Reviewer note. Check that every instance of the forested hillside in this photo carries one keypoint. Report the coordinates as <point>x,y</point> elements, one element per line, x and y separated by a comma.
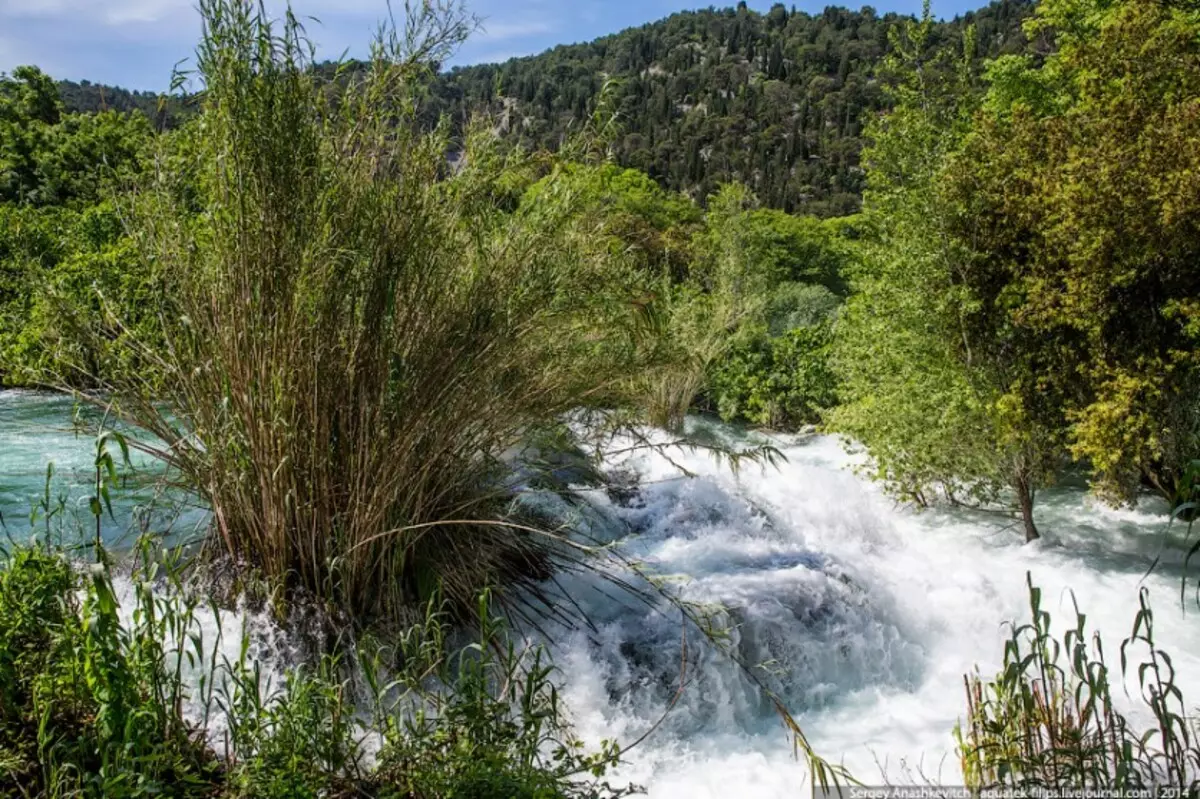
<point>90,98</point>
<point>777,101</point>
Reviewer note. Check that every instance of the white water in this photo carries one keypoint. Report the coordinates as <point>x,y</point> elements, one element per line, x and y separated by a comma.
<point>872,612</point>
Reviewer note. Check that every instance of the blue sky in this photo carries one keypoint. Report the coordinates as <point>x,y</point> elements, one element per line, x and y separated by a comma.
<point>135,43</point>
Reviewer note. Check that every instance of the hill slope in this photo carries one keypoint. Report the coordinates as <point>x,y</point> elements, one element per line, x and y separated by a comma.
<point>89,98</point>
<point>776,100</point>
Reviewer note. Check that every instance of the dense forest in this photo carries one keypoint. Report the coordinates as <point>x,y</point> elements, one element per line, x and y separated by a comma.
<point>357,324</point>
<point>163,111</point>
<point>775,101</point>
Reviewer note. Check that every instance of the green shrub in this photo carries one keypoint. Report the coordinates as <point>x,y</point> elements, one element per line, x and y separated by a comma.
<point>358,335</point>
<point>90,707</point>
<point>792,305</point>
<point>61,269</point>
<point>493,728</point>
<point>777,381</point>
<point>49,158</point>
<point>296,741</point>
<point>33,587</point>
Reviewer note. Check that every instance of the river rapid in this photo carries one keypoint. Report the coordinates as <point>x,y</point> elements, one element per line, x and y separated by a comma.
<point>864,614</point>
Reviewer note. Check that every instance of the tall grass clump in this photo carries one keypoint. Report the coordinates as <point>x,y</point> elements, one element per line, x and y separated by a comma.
<point>1048,720</point>
<point>358,337</point>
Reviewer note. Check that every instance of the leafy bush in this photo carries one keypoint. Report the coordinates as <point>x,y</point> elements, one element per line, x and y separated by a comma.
<point>359,335</point>
<point>793,304</point>
<point>89,705</point>
<point>778,381</point>
<point>31,590</point>
<point>48,158</point>
<point>494,727</point>
<point>776,277</point>
<point>60,269</point>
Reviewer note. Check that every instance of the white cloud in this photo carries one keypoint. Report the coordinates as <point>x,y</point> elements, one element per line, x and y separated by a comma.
<point>143,38</point>
<point>31,8</point>
<point>132,12</point>
<point>109,12</point>
<point>148,11</point>
<point>501,31</point>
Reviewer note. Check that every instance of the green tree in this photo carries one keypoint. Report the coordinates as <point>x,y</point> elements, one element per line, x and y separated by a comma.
<point>633,216</point>
<point>60,269</point>
<point>779,381</point>
<point>63,253</point>
<point>1077,190</point>
<point>930,384</point>
<point>48,157</point>
<point>787,274</point>
<point>29,106</point>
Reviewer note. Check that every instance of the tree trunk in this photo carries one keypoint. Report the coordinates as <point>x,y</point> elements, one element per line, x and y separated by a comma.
<point>1025,497</point>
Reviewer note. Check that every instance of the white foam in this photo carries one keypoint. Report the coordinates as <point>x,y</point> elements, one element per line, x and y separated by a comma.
<point>875,611</point>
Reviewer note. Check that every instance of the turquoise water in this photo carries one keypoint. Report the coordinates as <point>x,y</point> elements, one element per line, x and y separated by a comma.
<point>37,434</point>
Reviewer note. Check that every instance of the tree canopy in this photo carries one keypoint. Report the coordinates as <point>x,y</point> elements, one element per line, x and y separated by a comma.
<point>1030,299</point>
<point>1078,191</point>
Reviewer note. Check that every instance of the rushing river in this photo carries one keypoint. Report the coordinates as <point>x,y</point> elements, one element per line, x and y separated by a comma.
<point>868,614</point>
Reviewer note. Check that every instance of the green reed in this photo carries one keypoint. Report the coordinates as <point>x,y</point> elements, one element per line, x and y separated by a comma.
<point>1048,719</point>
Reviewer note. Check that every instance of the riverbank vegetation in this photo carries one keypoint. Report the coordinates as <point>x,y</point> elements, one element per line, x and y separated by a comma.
<point>122,686</point>
<point>986,348</point>
<point>1049,717</point>
<point>1028,304</point>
